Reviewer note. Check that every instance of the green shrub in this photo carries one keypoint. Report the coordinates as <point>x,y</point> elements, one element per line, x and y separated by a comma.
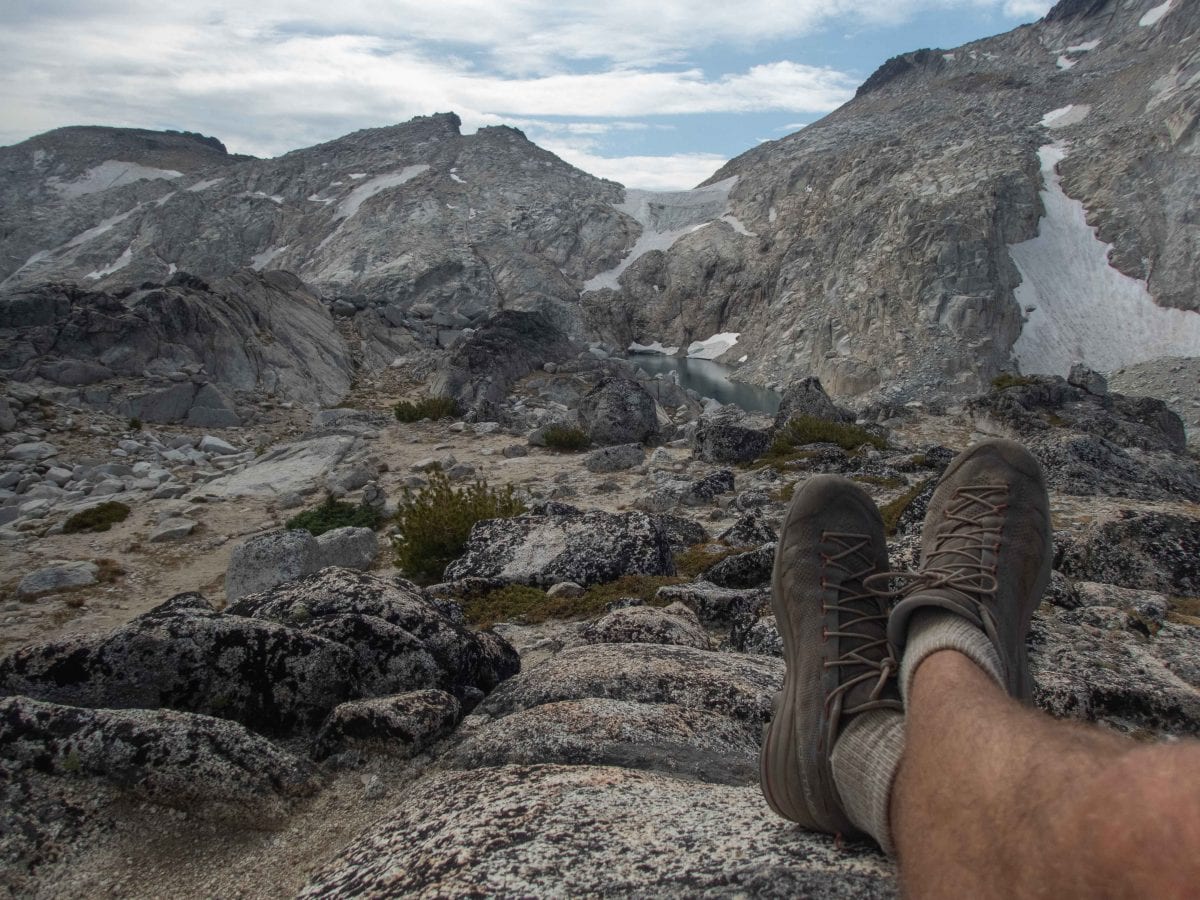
<point>335,514</point>
<point>135,424</point>
<point>429,408</point>
<point>529,605</point>
<point>97,518</point>
<point>1006,380</point>
<point>436,521</point>
<point>565,438</point>
<point>805,430</point>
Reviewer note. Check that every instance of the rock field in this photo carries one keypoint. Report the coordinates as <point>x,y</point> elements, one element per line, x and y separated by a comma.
<point>254,711</point>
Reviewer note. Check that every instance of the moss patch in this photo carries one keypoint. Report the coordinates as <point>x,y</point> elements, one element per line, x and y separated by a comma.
<point>529,605</point>
<point>804,430</point>
<point>335,514</point>
<point>565,438</point>
<point>97,518</point>
<point>1184,611</point>
<point>429,408</point>
<point>891,512</point>
<point>881,481</point>
<point>695,559</point>
<point>1005,380</point>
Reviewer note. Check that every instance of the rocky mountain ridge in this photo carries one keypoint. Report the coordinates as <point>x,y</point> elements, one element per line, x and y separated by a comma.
<point>901,249</point>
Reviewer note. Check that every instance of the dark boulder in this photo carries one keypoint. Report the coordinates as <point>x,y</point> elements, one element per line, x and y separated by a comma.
<point>619,411</point>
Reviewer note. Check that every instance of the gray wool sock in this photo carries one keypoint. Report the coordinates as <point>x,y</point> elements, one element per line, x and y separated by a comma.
<point>932,630</point>
<point>865,760</point>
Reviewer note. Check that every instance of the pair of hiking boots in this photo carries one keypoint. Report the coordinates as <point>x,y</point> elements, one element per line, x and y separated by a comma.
<point>985,556</point>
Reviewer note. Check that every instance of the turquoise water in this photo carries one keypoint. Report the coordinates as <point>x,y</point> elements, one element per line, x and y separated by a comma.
<point>710,379</point>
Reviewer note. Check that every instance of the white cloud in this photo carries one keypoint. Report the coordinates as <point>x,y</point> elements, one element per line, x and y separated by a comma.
<point>676,172</point>
<point>274,75</point>
<point>1032,9</point>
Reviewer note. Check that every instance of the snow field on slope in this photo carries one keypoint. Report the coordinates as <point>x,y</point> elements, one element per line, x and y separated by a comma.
<point>1153,16</point>
<point>1084,310</point>
<point>109,174</point>
<point>368,189</point>
<point>665,216</point>
<point>713,346</point>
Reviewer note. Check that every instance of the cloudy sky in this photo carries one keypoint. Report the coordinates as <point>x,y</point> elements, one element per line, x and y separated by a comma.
<point>654,94</point>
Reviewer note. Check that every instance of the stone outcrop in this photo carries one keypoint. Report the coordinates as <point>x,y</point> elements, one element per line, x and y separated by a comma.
<point>517,831</point>
<point>676,624</point>
<point>729,435</point>
<point>278,662</point>
<point>480,368</point>
<point>1094,443</point>
<point>209,767</point>
<point>619,411</point>
<point>189,345</point>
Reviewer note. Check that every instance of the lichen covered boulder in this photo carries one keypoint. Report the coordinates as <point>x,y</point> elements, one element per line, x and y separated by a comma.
<point>584,547</point>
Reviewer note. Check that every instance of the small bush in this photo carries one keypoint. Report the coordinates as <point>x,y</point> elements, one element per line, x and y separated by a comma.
<point>565,438</point>
<point>335,514</point>
<point>891,512</point>
<point>1005,380</point>
<point>810,430</point>
<point>97,518</point>
<point>429,408</point>
<point>436,521</point>
<point>529,605</point>
<point>135,424</point>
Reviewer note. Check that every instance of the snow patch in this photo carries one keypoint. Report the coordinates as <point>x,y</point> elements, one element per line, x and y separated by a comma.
<point>737,225</point>
<point>654,347</point>
<point>454,177</point>
<point>1066,115</point>
<point>1085,47</point>
<point>948,57</point>
<point>714,346</point>
<point>1153,16</point>
<point>665,216</point>
<point>263,195</point>
<point>1065,62</point>
<point>109,174</point>
<point>260,260</point>
<point>1084,310</point>
<point>355,176</point>
<point>121,262</point>
<point>772,215</point>
<point>368,189</point>
<point>99,228</point>
<point>172,269</point>
<point>205,184</point>
<point>164,198</point>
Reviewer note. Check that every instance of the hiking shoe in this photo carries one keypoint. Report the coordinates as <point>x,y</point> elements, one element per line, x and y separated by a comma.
<point>985,552</point>
<point>835,646</point>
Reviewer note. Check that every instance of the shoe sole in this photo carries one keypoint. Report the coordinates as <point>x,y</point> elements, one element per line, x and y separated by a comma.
<point>794,768</point>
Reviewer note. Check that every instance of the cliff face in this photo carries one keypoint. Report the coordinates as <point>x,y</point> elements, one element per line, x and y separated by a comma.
<point>874,246</point>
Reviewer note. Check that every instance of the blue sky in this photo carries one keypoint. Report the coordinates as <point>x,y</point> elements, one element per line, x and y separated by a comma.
<point>653,95</point>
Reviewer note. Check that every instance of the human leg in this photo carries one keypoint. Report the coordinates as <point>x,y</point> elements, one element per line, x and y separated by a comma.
<point>994,799</point>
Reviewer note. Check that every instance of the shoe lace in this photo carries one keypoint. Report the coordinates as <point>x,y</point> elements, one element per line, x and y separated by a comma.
<point>867,658</point>
<point>971,527</point>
